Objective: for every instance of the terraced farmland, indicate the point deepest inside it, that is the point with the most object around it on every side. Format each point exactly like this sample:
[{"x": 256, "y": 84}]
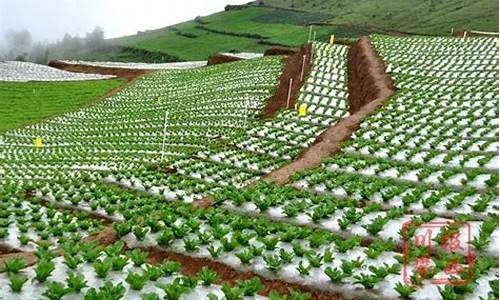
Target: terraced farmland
[{"x": 165, "y": 189}]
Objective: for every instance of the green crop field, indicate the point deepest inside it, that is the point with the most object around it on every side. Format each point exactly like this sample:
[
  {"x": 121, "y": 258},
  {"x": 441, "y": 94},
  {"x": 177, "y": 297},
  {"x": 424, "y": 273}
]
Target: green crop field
[
  {"x": 29, "y": 102},
  {"x": 176, "y": 188}
]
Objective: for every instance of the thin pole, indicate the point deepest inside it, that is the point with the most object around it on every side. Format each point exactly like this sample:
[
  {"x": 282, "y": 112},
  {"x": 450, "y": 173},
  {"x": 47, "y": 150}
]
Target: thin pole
[
  {"x": 314, "y": 37},
  {"x": 311, "y": 56},
  {"x": 247, "y": 102},
  {"x": 302, "y": 70},
  {"x": 289, "y": 93},
  {"x": 164, "y": 135}
]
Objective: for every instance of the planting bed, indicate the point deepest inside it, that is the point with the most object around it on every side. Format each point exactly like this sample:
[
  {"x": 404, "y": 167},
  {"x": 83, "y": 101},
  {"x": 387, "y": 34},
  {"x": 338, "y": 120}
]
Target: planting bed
[
  {"x": 140, "y": 66},
  {"x": 25, "y": 71}
]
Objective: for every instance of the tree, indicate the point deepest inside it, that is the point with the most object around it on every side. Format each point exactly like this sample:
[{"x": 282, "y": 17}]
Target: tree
[
  {"x": 18, "y": 43},
  {"x": 95, "y": 39}
]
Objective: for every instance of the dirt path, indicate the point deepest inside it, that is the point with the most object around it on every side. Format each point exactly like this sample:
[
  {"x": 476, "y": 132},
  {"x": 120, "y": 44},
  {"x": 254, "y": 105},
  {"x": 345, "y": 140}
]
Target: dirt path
[{"x": 369, "y": 86}]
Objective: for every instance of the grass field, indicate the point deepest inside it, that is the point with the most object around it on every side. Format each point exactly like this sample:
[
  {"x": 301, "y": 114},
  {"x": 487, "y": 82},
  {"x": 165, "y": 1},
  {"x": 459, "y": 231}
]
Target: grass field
[{"x": 30, "y": 102}]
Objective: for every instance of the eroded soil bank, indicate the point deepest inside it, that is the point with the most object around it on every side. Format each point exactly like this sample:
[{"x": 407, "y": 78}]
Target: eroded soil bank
[
  {"x": 367, "y": 78},
  {"x": 295, "y": 60},
  {"x": 369, "y": 86},
  {"x": 218, "y": 58},
  {"x": 129, "y": 74}
]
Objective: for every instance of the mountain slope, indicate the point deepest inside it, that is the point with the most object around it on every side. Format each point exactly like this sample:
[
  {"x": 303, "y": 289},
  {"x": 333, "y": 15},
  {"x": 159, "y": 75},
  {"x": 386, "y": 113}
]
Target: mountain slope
[
  {"x": 429, "y": 17},
  {"x": 256, "y": 26}
]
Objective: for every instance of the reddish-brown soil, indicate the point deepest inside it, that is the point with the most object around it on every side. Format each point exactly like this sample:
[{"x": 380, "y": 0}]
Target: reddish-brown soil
[
  {"x": 291, "y": 70},
  {"x": 29, "y": 258},
  {"x": 367, "y": 78},
  {"x": 6, "y": 249},
  {"x": 191, "y": 266},
  {"x": 129, "y": 74},
  {"x": 205, "y": 202},
  {"x": 369, "y": 86},
  {"x": 219, "y": 58},
  {"x": 105, "y": 237},
  {"x": 278, "y": 50}
]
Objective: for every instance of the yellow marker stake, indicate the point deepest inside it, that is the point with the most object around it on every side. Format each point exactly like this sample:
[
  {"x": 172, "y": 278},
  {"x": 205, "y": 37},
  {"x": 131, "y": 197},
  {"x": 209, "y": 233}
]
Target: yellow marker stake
[
  {"x": 303, "y": 110},
  {"x": 38, "y": 143},
  {"x": 332, "y": 39}
]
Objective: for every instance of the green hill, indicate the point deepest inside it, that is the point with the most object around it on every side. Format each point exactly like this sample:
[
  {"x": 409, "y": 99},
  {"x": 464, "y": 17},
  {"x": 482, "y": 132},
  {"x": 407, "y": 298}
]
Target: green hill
[
  {"x": 256, "y": 26},
  {"x": 427, "y": 16},
  {"x": 248, "y": 29}
]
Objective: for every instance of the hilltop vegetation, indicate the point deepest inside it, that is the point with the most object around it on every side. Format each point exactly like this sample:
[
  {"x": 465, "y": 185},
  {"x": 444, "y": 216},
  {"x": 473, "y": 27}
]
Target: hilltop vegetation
[
  {"x": 248, "y": 29},
  {"x": 285, "y": 22},
  {"x": 424, "y": 17}
]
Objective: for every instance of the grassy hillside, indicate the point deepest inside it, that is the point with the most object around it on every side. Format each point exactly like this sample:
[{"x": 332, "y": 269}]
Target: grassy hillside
[
  {"x": 30, "y": 102},
  {"x": 428, "y": 16},
  {"x": 240, "y": 30},
  {"x": 248, "y": 29},
  {"x": 285, "y": 22}
]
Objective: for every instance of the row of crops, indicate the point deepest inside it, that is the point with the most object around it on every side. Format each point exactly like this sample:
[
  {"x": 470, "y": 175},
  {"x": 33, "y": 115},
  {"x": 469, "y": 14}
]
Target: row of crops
[
  {"x": 159, "y": 66},
  {"x": 428, "y": 156},
  {"x": 26, "y": 71},
  {"x": 141, "y": 66},
  {"x": 57, "y": 196}
]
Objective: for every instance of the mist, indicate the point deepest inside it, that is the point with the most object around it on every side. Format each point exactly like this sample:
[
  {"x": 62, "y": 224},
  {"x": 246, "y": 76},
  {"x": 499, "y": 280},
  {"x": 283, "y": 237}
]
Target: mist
[
  {"x": 34, "y": 30},
  {"x": 51, "y": 20},
  {"x": 19, "y": 45}
]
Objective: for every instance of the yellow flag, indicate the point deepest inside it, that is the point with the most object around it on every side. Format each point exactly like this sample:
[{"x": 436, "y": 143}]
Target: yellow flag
[
  {"x": 303, "y": 110},
  {"x": 38, "y": 142},
  {"x": 332, "y": 39}
]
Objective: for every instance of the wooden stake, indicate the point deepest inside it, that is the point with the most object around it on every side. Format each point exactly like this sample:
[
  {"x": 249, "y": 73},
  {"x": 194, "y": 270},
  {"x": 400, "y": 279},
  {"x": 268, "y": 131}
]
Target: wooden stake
[
  {"x": 289, "y": 93},
  {"x": 302, "y": 70},
  {"x": 164, "y": 135}
]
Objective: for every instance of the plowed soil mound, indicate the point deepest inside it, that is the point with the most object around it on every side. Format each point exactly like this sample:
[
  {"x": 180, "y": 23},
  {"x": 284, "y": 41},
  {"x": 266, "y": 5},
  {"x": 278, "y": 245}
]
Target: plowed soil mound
[
  {"x": 367, "y": 78},
  {"x": 218, "y": 58},
  {"x": 129, "y": 74}
]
